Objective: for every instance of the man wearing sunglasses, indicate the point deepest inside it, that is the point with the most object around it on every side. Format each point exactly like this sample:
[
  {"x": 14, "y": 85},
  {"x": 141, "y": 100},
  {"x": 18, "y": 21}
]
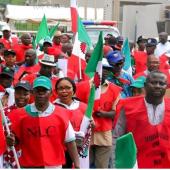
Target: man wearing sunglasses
[{"x": 118, "y": 75}]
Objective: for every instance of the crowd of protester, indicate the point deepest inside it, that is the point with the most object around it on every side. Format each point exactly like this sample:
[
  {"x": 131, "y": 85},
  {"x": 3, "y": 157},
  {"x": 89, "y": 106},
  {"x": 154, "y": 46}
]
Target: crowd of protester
[{"x": 44, "y": 103}]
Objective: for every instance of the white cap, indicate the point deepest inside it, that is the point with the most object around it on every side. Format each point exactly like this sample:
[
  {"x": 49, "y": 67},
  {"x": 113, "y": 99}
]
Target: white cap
[{"x": 6, "y": 27}]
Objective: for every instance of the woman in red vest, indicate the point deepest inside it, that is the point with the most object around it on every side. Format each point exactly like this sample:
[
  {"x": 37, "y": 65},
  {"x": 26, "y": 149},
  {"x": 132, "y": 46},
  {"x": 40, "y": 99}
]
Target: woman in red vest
[{"x": 66, "y": 89}]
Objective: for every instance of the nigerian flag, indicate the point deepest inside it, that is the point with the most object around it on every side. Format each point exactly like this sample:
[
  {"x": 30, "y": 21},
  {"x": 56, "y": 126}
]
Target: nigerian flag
[
  {"x": 94, "y": 69},
  {"x": 82, "y": 41}
]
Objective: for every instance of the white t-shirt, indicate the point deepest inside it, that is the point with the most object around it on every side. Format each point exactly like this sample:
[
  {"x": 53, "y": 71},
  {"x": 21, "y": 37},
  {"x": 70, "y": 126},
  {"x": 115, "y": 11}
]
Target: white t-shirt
[{"x": 162, "y": 48}]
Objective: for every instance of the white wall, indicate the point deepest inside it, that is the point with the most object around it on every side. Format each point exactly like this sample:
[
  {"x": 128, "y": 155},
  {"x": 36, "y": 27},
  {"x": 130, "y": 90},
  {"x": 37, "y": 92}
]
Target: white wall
[{"x": 140, "y": 20}]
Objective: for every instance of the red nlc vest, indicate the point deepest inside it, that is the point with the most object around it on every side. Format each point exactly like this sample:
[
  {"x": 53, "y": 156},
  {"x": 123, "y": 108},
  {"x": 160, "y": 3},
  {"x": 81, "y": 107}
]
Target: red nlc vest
[
  {"x": 77, "y": 116},
  {"x": 105, "y": 103},
  {"x": 153, "y": 141},
  {"x": 42, "y": 138},
  {"x": 2, "y": 138}
]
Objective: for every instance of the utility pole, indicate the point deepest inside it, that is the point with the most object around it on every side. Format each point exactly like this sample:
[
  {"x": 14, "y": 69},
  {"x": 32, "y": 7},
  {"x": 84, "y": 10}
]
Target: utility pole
[{"x": 116, "y": 10}]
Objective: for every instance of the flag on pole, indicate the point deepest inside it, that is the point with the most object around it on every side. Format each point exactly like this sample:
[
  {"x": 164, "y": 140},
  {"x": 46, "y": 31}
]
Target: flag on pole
[
  {"x": 81, "y": 44},
  {"x": 82, "y": 41},
  {"x": 74, "y": 15},
  {"x": 53, "y": 30},
  {"x": 42, "y": 30},
  {"x": 94, "y": 67},
  {"x": 125, "y": 153},
  {"x": 126, "y": 52}
]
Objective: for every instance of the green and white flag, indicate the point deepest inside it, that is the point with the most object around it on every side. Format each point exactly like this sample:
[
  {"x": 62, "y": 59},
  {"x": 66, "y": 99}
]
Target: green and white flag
[
  {"x": 42, "y": 30},
  {"x": 126, "y": 52},
  {"x": 125, "y": 153},
  {"x": 53, "y": 30}
]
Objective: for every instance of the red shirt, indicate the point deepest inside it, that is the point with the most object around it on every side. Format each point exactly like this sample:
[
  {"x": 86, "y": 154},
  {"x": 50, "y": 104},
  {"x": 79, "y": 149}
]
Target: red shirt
[
  {"x": 9, "y": 43},
  {"x": 59, "y": 46},
  {"x": 140, "y": 58},
  {"x": 24, "y": 70},
  {"x": 20, "y": 51},
  {"x": 164, "y": 62}
]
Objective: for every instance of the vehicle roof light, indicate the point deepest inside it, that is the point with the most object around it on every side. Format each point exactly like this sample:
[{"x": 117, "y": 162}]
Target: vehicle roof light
[{"x": 109, "y": 23}]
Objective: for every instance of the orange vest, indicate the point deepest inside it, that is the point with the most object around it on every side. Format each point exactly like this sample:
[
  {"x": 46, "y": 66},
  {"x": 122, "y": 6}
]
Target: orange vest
[
  {"x": 41, "y": 138},
  {"x": 153, "y": 141}
]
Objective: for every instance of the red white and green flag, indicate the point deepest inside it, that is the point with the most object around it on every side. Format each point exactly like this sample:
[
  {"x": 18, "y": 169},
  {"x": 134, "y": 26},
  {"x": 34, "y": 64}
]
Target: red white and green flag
[
  {"x": 94, "y": 70},
  {"x": 81, "y": 44},
  {"x": 82, "y": 41}
]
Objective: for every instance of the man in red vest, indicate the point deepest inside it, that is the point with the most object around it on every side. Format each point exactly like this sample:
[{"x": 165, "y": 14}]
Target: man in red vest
[
  {"x": 148, "y": 117},
  {"x": 43, "y": 130}
]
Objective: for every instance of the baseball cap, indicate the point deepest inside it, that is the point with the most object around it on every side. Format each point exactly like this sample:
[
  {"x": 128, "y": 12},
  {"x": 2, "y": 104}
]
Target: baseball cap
[
  {"x": 140, "y": 39},
  {"x": 151, "y": 42},
  {"x": 139, "y": 82},
  {"x": 48, "y": 60},
  {"x": 9, "y": 51},
  {"x": 24, "y": 84},
  {"x": 47, "y": 40},
  {"x": 120, "y": 39},
  {"x": 42, "y": 81},
  {"x": 114, "y": 56},
  {"x": 6, "y": 27},
  {"x": 7, "y": 71}
]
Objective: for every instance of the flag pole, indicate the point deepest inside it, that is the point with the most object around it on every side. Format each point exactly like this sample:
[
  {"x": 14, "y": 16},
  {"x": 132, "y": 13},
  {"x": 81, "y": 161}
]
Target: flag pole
[
  {"x": 80, "y": 68},
  {"x": 8, "y": 133}
]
